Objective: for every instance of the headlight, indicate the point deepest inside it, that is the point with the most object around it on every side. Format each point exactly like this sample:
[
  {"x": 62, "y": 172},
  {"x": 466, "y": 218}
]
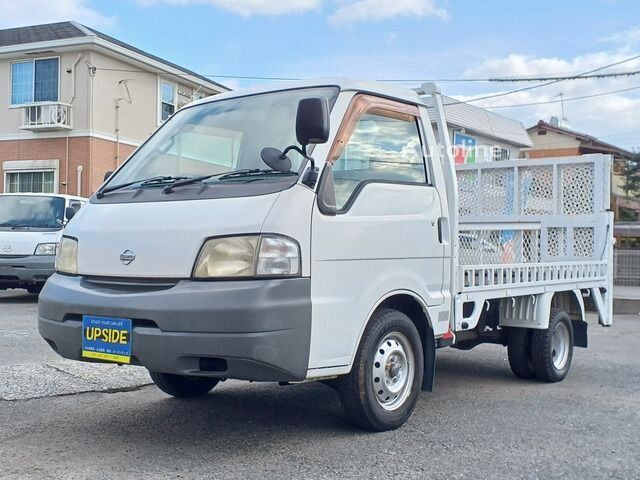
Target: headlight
[
  {"x": 67, "y": 259},
  {"x": 248, "y": 256},
  {"x": 46, "y": 249}
]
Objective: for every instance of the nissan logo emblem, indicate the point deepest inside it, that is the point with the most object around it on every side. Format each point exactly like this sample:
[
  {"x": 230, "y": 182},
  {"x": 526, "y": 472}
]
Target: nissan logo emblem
[
  {"x": 127, "y": 257},
  {"x": 6, "y": 248}
]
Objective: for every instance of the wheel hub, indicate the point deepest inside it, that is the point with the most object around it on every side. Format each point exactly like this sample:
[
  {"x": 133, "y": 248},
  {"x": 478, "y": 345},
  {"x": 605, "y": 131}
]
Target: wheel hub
[
  {"x": 393, "y": 371},
  {"x": 560, "y": 346}
]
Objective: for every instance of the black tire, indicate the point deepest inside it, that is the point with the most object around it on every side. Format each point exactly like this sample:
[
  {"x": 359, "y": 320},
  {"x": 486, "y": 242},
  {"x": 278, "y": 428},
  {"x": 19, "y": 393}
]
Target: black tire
[
  {"x": 519, "y": 353},
  {"x": 35, "y": 289},
  {"x": 358, "y": 396},
  {"x": 182, "y": 386},
  {"x": 551, "y": 363}
]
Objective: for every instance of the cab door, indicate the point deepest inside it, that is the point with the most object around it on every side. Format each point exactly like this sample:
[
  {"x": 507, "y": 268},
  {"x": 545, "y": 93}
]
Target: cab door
[{"x": 382, "y": 236}]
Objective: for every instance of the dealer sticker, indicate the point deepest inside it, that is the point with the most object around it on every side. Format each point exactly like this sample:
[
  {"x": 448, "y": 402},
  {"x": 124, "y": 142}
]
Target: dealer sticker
[{"x": 106, "y": 338}]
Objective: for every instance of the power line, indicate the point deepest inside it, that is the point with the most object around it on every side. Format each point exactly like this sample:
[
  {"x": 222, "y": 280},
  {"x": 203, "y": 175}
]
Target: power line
[
  {"x": 511, "y": 92},
  {"x": 517, "y": 79},
  {"x": 600, "y": 94},
  {"x": 416, "y": 80}
]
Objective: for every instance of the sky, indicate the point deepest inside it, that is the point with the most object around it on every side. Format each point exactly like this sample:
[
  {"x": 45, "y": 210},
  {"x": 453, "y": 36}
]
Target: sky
[{"x": 411, "y": 40}]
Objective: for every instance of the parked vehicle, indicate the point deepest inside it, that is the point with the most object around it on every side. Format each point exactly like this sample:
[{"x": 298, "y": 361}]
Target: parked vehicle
[
  {"x": 30, "y": 230},
  {"x": 221, "y": 249}
]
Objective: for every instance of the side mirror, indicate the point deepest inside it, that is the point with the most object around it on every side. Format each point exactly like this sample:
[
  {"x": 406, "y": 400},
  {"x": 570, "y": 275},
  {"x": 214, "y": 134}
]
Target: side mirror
[
  {"x": 107, "y": 175},
  {"x": 312, "y": 121},
  {"x": 69, "y": 212}
]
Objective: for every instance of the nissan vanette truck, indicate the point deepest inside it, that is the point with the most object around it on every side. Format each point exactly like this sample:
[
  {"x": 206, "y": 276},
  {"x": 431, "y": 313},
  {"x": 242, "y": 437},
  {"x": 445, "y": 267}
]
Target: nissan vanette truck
[
  {"x": 30, "y": 230},
  {"x": 320, "y": 231}
]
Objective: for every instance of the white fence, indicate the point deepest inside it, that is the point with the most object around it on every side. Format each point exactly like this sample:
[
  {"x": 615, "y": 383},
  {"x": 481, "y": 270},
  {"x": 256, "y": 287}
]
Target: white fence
[{"x": 626, "y": 268}]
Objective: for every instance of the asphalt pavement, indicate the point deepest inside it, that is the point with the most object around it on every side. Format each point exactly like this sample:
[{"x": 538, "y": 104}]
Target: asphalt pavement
[{"x": 481, "y": 422}]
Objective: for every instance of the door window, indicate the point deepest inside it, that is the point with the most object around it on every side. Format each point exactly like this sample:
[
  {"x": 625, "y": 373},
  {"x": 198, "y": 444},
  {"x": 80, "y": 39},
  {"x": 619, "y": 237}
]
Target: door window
[{"x": 381, "y": 149}]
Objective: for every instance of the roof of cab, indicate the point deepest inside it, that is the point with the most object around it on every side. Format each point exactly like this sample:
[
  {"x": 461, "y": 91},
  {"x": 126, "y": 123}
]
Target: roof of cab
[
  {"x": 345, "y": 84},
  {"x": 29, "y": 194}
]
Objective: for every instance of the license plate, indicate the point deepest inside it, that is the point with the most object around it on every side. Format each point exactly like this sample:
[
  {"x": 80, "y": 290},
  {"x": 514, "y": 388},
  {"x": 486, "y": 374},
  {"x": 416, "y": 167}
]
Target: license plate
[{"x": 106, "y": 338}]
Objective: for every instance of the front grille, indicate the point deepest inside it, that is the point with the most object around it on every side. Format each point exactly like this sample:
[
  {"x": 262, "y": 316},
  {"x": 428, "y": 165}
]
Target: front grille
[
  {"x": 137, "y": 322},
  {"x": 128, "y": 285},
  {"x": 11, "y": 257}
]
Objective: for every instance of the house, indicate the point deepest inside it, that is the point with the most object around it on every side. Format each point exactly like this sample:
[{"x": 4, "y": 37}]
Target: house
[
  {"x": 551, "y": 139},
  {"x": 74, "y": 104},
  {"x": 478, "y": 135}
]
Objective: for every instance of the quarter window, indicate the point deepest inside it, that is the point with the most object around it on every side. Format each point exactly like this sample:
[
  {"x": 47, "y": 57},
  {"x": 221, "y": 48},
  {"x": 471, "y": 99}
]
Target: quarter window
[
  {"x": 167, "y": 100},
  {"x": 381, "y": 148},
  {"x": 34, "y": 81}
]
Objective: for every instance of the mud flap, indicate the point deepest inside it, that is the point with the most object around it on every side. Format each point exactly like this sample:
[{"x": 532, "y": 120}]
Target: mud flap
[
  {"x": 429, "y": 376},
  {"x": 580, "y": 333}
]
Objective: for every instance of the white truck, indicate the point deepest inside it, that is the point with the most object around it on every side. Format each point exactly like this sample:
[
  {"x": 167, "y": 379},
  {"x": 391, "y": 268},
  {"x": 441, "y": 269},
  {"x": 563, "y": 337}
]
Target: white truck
[
  {"x": 30, "y": 229},
  {"x": 318, "y": 231}
]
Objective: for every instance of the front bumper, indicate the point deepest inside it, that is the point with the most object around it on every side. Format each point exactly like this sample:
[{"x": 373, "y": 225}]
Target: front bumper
[
  {"x": 252, "y": 330},
  {"x": 17, "y": 271}
]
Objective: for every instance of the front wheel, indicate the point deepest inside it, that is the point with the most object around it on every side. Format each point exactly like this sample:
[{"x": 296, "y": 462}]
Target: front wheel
[
  {"x": 183, "y": 386},
  {"x": 382, "y": 388},
  {"x": 552, "y": 349}
]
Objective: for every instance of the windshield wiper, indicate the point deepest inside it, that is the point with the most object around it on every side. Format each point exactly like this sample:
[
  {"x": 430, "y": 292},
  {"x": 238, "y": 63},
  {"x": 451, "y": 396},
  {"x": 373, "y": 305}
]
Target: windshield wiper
[
  {"x": 256, "y": 172},
  {"x": 147, "y": 181},
  {"x": 223, "y": 176}
]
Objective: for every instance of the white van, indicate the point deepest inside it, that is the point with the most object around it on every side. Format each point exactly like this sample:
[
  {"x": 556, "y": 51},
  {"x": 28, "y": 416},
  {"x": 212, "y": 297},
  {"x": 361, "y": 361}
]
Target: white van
[
  {"x": 221, "y": 249},
  {"x": 30, "y": 230}
]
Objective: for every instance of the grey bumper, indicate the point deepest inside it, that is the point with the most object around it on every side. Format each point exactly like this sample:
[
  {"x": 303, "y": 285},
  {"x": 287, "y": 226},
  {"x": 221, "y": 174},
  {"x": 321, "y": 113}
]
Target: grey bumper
[
  {"x": 252, "y": 330},
  {"x": 17, "y": 271}
]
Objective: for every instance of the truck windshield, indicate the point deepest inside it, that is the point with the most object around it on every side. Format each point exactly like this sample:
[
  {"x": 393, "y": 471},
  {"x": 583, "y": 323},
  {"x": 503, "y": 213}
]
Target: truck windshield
[
  {"x": 220, "y": 137},
  {"x": 31, "y": 211}
]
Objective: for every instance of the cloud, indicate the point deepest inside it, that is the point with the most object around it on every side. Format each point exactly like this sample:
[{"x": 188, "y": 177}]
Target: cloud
[
  {"x": 362, "y": 10},
  {"x": 347, "y": 11},
  {"x": 248, "y": 8},
  {"x": 611, "y": 117},
  {"x": 627, "y": 38},
  {"x": 33, "y": 12}
]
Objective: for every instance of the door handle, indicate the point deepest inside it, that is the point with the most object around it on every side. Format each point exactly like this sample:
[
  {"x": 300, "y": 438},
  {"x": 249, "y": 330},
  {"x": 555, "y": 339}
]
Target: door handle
[{"x": 440, "y": 229}]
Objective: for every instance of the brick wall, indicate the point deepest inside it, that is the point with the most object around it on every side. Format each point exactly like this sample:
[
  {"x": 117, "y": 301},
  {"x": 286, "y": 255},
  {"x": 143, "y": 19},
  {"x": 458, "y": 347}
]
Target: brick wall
[
  {"x": 552, "y": 152},
  {"x": 95, "y": 155}
]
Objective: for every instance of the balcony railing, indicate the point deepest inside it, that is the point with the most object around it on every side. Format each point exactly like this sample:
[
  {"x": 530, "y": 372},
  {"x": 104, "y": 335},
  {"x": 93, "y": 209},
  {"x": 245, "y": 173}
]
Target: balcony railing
[{"x": 46, "y": 116}]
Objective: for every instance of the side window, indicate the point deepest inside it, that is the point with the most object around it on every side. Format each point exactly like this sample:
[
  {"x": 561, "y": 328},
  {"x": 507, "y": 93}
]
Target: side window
[
  {"x": 167, "y": 100},
  {"x": 381, "y": 148}
]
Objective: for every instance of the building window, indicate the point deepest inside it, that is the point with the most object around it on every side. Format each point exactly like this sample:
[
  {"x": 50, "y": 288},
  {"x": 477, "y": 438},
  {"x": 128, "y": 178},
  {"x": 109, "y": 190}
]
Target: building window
[
  {"x": 30, "y": 182},
  {"x": 500, "y": 154},
  {"x": 167, "y": 100},
  {"x": 34, "y": 81}
]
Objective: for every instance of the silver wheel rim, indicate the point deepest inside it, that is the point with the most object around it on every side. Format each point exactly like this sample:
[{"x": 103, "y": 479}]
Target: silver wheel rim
[
  {"x": 560, "y": 346},
  {"x": 393, "y": 371}
]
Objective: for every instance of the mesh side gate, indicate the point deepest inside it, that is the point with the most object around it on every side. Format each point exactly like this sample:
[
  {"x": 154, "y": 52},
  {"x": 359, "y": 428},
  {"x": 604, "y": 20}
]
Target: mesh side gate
[{"x": 527, "y": 221}]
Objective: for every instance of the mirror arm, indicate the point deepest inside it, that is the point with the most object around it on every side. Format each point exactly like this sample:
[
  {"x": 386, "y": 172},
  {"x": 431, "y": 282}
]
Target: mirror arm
[{"x": 302, "y": 151}]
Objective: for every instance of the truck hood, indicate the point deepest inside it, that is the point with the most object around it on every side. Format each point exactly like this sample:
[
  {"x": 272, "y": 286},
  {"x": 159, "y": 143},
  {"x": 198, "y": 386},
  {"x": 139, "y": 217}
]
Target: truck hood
[
  {"x": 165, "y": 237},
  {"x": 23, "y": 242}
]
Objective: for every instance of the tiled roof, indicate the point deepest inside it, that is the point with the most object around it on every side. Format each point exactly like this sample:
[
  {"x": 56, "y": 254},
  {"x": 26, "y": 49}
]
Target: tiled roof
[
  {"x": 39, "y": 33},
  {"x": 482, "y": 121},
  {"x": 67, "y": 30}
]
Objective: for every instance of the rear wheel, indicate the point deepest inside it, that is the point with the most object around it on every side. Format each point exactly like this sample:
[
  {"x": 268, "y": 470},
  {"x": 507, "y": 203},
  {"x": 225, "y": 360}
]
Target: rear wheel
[
  {"x": 183, "y": 386},
  {"x": 519, "y": 353},
  {"x": 552, "y": 349},
  {"x": 381, "y": 391}
]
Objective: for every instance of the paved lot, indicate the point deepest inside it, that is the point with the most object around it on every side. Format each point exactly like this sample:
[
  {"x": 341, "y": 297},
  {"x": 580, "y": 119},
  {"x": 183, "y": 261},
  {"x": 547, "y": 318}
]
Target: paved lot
[{"x": 480, "y": 423}]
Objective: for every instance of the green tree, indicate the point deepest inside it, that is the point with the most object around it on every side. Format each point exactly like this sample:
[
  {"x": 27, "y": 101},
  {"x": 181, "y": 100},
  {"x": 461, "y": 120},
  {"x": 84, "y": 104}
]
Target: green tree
[{"x": 631, "y": 176}]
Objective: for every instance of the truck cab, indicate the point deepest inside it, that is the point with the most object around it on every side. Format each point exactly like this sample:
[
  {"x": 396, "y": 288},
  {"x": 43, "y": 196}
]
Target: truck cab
[
  {"x": 306, "y": 232},
  {"x": 31, "y": 227}
]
